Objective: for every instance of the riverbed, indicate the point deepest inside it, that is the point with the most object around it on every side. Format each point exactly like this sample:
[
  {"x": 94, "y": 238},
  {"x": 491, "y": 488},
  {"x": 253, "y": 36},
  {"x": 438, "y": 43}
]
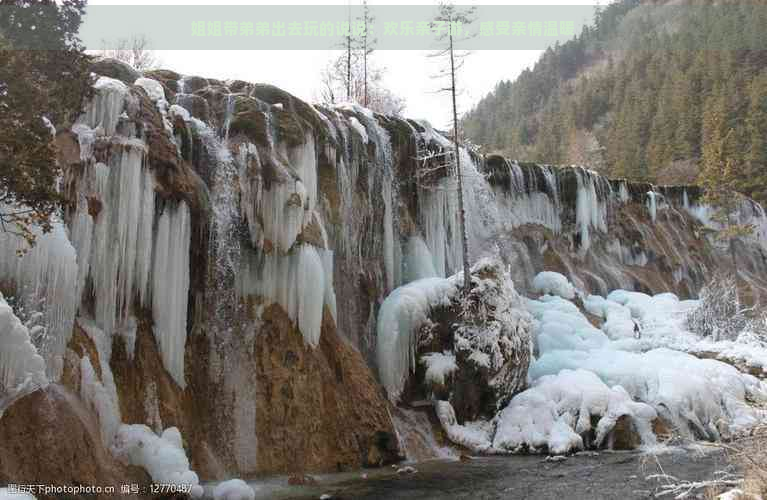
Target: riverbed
[{"x": 604, "y": 475}]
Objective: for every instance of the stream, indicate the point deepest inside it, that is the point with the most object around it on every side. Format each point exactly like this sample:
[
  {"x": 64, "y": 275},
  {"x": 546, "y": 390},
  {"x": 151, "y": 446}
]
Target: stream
[{"x": 606, "y": 475}]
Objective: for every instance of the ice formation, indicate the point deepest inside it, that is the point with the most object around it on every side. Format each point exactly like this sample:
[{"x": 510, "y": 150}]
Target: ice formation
[
  {"x": 360, "y": 129},
  {"x": 476, "y": 436},
  {"x": 100, "y": 394},
  {"x": 402, "y": 314},
  {"x": 493, "y": 336},
  {"x": 121, "y": 239},
  {"x": 163, "y": 456},
  {"x": 748, "y": 213},
  {"x": 652, "y": 204},
  {"x": 104, "y": 110},
  {"x": 583, "y": 371},
  {"x": 125, "y": 250},
  {"x": 153, "y": 88},
  {"x": 526, "y": 202},
  {"x": 551, "y": 283},
  {"x": 297, "y": 276},
  {"x": 418, "y": 262},
  {"x": 297, "y": 282},
  {"x": 43, "y": 279},
  {"x": 439, "y": 366},
  {"x": 559, "y": 408},
  {"x": 590, "y": 206},
  {"x": 234, "y": 489},
  {"x": 22, "y": 369},
  {"x": 170, "y": 287}
]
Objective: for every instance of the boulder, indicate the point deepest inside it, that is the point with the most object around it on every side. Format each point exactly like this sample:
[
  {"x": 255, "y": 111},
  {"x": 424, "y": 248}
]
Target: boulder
[
  {"x": 49, "y": 437},
  {"x": 115, "y": 69}
]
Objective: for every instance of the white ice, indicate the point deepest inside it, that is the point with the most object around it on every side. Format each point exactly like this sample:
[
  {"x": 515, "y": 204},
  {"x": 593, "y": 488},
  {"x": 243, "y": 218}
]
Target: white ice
[
  {"x": 163, "y": 456},
  {"x": 552, "y": 283},
  {"x": 234, "y": 489}
]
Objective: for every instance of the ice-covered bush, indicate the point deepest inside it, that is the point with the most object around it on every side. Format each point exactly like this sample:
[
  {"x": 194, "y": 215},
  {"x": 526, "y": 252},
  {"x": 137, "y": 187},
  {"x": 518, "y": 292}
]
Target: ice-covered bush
[
  {"x": 492, "y": 336},
  {"x": 720, "y": 315}
]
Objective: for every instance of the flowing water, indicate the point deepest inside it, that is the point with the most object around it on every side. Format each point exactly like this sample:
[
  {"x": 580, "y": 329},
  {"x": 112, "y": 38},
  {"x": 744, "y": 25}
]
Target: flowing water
[{"x": 606, "y": 475}]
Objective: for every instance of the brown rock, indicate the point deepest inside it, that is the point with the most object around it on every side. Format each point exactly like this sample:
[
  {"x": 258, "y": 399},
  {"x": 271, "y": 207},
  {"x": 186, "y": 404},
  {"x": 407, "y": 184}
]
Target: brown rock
[
  {"x": 67, "y": 149},
  {"x": 49, "y": 437},
  {"x": 624, "y": 435},
  {"x": 94, "y": 206},
  {"x": 115, "y": 69},
  {"x": 301, "y": 480},
  {"x": 318, "y": 409},
  {"x": 661, "y": 429}
]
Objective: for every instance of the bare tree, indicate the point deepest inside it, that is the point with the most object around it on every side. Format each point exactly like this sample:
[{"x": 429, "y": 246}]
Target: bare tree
[
  {"x": 133, "y": 51},
  {"x": 334, "y": 82},
  {"x": 366, "y": 48},
  {"x": 449, "y": 25},
  {"x": 349, "y": 42}
]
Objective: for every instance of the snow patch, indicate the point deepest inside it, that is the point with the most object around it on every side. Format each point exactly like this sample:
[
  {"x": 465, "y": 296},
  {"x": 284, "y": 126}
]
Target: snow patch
[
  {"x": 552, "y": 283},
  {"x": 163, "y": 456},
  {"x": 234, "y": 489},
  {"x": 439, "y": 365},
  {"x": 360, "y": 129},
  {"x": 557, "y": 409}
]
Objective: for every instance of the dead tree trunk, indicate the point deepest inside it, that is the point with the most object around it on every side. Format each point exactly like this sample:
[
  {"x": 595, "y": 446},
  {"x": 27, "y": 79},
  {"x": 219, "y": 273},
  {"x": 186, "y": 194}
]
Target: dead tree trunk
[{"x": 461, "y": 207}]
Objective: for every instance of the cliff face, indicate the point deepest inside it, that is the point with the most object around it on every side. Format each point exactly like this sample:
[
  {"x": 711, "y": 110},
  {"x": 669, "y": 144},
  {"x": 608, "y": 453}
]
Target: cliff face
[{"x": 233, "y": 250}]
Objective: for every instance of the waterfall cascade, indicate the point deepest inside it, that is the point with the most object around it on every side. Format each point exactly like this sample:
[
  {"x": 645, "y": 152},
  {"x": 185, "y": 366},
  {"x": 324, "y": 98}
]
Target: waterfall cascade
[{"x": 222, "y": 219}]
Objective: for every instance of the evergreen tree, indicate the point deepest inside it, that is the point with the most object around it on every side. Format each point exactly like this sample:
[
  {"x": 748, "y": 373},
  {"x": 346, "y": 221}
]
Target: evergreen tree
[{"x": 43, "y": 80}]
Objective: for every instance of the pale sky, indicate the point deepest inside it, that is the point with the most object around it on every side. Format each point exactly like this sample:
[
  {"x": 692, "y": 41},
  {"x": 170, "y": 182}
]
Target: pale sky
[{"x": 408, "y": 72}]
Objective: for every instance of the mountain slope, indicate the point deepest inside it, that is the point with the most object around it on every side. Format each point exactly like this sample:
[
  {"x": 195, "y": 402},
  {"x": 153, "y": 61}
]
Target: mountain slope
[{"x": 638, "y": 93}]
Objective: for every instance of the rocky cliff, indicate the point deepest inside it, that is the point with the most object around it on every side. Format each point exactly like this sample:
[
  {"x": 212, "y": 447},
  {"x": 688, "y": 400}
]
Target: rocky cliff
[{"x": 226, "y": 249}]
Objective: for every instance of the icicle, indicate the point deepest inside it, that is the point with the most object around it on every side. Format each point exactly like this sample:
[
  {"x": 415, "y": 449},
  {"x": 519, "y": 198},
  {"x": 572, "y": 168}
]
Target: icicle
[
  {"x": 404, "y": 311},
  {"x": 418, "y": 262},
  {"x": 388, "y": 230},
  {"x": 310, "y": 294},
  {"x": 105, "y": 108},
  {"x": 529, "y": 204},
  {"x": 170, "y": 287},
  {"x": 100, "y": 395},
  {"x": 22, "y": 369},
  {"x": 122, "y": 242},
  {"x": 652, "y": 204},
  {"x": 623, "y": 193},
  {"x": 45, "y": 280},
  {"x": 156, "y": 93},
  {"x": 590, "y": 210}
]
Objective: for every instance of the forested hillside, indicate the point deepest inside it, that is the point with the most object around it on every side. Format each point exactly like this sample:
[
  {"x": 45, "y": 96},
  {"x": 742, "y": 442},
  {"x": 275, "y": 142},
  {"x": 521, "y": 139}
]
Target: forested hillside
[{"x": 640, "y": 93}]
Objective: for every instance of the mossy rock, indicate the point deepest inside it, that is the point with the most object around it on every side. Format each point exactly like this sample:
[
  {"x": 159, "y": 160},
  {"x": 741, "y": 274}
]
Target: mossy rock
[
  {"x": 289, "y": 127},
  {"x": 196, "y": 105},
  {"x": 165, "y": 76},
  {"x": 302, "y": 115},
  {"x": 116, "y": 69},
  {"x": 194, "y": 83},
  {"x": 240, "y": 86},
  {"x": 252, "y": 124}
]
